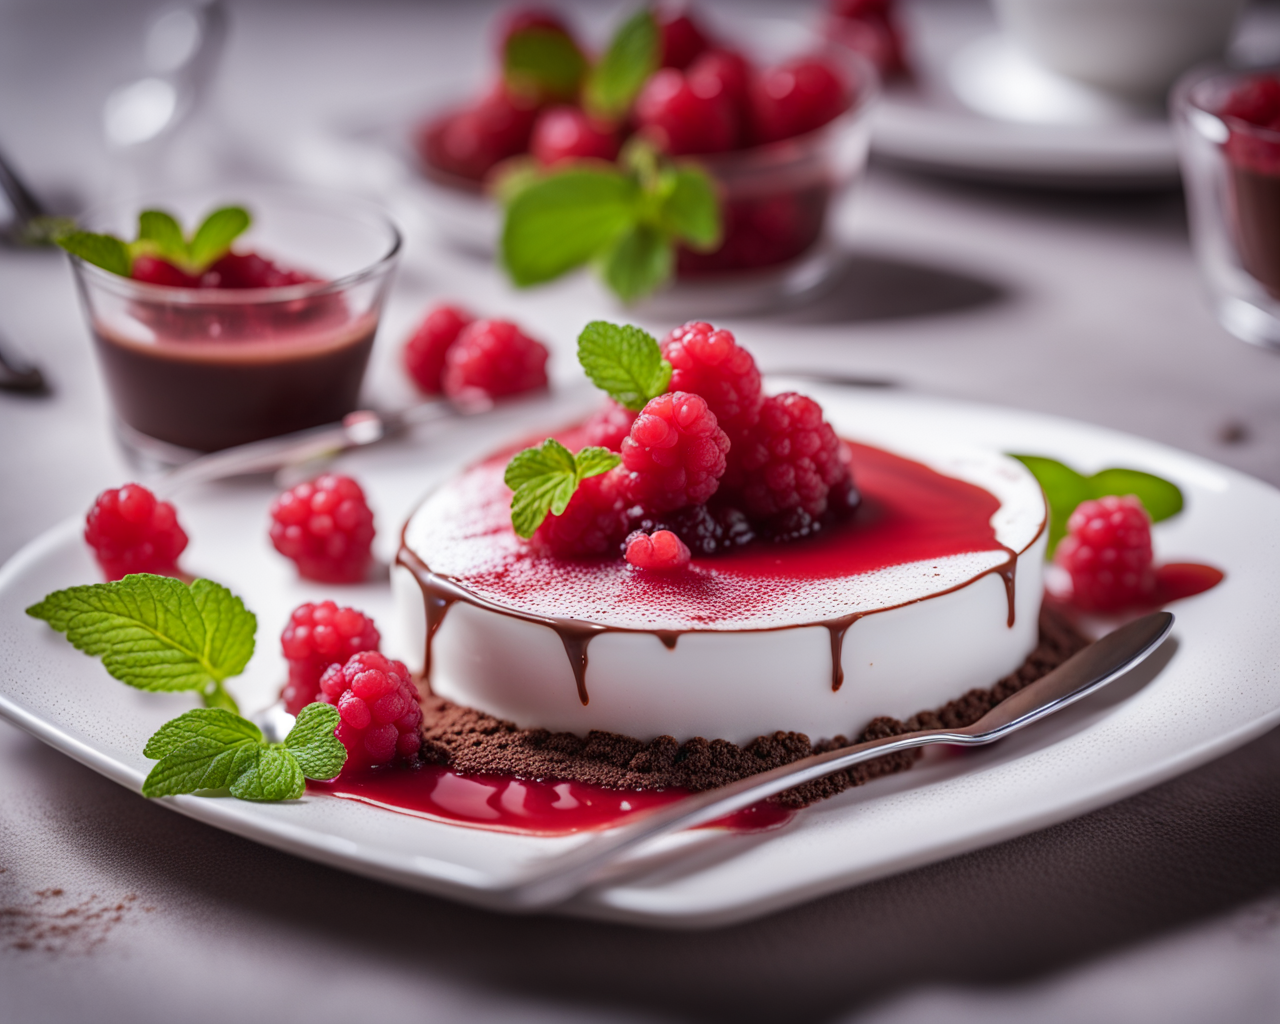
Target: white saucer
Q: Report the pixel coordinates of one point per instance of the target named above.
(1214, 687)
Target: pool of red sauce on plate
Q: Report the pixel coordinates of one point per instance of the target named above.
(908, 513)
(503, 803)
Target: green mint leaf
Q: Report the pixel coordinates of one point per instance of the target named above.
(624, 361)
(689, 208)
(320, 754)
(1064, 489)
(593, 461)
(633, 55)
(213, 238)
(543, 63)
(545, 478)
(1161, 498)
(641, 260)
(160, 234)
(564, 220)
(204, 749)
(212, 724)
(274, 776)
(105, 251)
(156, 633)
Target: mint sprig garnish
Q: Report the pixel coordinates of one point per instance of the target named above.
(1064, 489)
(625, 361)
(543, 63)
(627, 220)
(633, 55)
(157, 633)
(211, 748)
(160, 235)
(545, 478)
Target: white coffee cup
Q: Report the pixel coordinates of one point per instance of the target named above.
(1134, 48)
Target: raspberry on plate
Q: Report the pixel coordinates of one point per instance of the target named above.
(661, 551)
(593, 523)
(326, 527)
(794, 98)
(1107, 551)
(683, 40)
(791, 459)
(606, 427)
(130, 531)
(686, 115)
(424, 352)
(494, 358)
(317, 636)
(470, 141)
(378, 706)
(712, 364)
(567, 133)
(675, 453)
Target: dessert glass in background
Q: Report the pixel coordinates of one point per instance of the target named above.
(1231, 172)
(203, 368)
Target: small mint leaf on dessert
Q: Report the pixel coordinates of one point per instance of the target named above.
(160, 235)
(208, 748)
(624, 361)
(213, 238)
(543, 62)
(319, 752)
(212, 724)
(633, 55)
(563, 220)
(1064, 489)
(157, 633)
(689, 208)
(639, 261)
(545, 478)
(105, 251)
(276, 775)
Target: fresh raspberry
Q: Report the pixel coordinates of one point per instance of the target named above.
(378, 705)
(710, 363)
(608, 426)
(797, 97)
(153, 270)
(728, 72)
(1253, 144)
(661, 551)
(684, 115)
(705, 529)
(683, 40)
(130, 531)
(249, 270)
(469, 142)
(791, 459)
(494, 358)
(592, 524)
(566, 133)
(675, 453)
(424, 352)
(326, 527)
(317, 636)
(1107, 551)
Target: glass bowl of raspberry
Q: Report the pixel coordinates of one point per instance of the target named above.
(1228, 125)
(775, 113)
(222, 324)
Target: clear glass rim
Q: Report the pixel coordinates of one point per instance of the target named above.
(1197, 79)
(224, 297)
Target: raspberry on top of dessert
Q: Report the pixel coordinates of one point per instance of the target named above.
(575, 587)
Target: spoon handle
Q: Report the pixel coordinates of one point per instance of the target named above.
(1086, 671)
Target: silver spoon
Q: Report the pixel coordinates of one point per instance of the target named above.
(556, 880)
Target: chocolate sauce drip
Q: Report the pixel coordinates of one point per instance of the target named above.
(668, 637)
(576, 636)
(1009, 573)
(838, 628)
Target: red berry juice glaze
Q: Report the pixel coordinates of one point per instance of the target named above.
(1253, 154)
(503, 803)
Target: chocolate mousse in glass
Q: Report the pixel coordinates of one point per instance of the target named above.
(1229, 140)
(204, 368)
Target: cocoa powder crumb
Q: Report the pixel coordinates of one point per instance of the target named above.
(472, 742)
(54, 922)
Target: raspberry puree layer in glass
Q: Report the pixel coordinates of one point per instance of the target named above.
(211, 379)
(932, 589)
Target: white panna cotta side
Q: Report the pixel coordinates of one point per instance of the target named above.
(908, 637)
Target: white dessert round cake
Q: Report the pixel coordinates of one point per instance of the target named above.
(931, 589)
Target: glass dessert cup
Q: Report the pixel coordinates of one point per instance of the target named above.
(1231, 171)
(201, 369)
